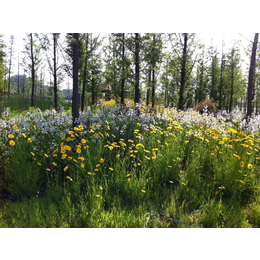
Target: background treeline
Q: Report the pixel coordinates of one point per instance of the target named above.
(173, 69)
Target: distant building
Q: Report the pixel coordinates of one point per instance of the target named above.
(106, 91)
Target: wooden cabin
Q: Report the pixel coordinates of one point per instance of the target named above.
(106, 90)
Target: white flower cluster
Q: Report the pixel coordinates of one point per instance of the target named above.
(52, 125)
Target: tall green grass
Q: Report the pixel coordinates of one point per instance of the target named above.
(164, 176)
(20, 103)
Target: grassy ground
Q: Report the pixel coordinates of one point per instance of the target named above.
(120, 170)
(18, 103)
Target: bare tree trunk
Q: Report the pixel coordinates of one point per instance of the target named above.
(251, 77)
(55, 87)
(75, 97)
(92, 89)
(183, 72)
(232, 89)
(153, 87)
(221, 80)
(153, 76)
(149, 86)
(137, 68)
(84, 76)
(18, 82)
(123, 73)
(33, 72)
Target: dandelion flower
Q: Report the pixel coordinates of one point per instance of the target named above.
(118, 156)
(143, 191)
(15, 127)
(46, 155)
(65, 169)
(32, 154)
(10, 136)
(82, 165)
(55, 164)
(102, 160)
(29, 140)
(242, 164)
(47, 169)
(111, 169)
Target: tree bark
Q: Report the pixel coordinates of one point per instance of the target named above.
(55, 87)
(92, 88)
(153, 88)
(84, 76)
(251, 77)
(123, 72)
(232, 88)
(149, 86)
(153, 74)
(221, 81)
(183, 72)
(33, 72)
(18, 82)
(75, 97)
(137, 68)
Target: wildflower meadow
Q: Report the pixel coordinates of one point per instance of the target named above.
(130, 167)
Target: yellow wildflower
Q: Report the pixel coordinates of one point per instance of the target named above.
(83, 141)
(10, 136)
(102, 160)
(69, 178)
(12, 143)
(29, 140)
(249, 166)
(15, 127)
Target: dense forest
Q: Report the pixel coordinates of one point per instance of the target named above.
(173, 69)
